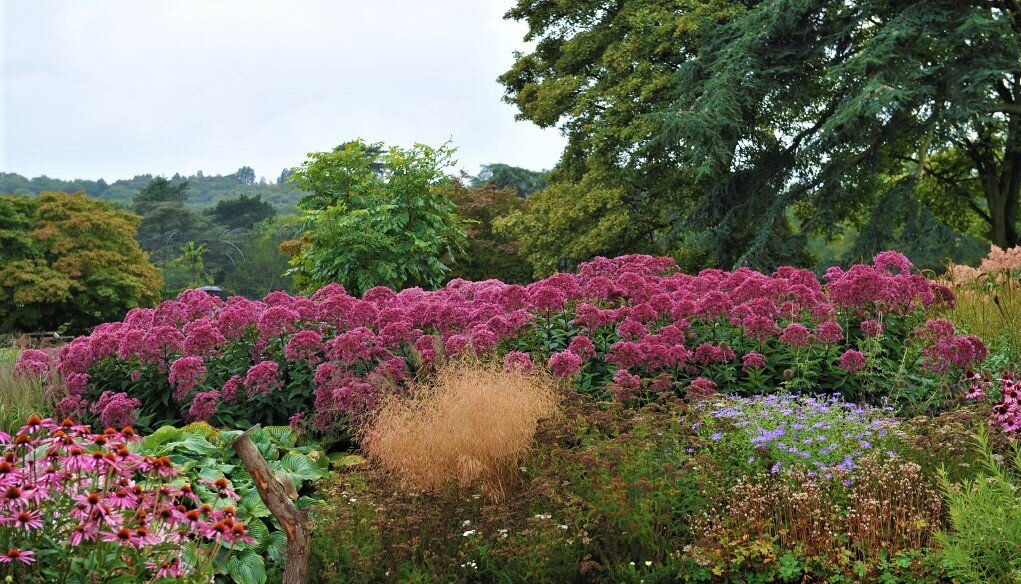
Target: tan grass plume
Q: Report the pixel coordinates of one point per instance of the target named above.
(470, 425)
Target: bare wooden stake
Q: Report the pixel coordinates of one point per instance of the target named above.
(291, 519)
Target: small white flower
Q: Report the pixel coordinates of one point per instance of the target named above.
(564, 527)
(648, 562)
(467, 522)
(468, 533)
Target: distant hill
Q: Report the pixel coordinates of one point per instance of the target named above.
(204, 190)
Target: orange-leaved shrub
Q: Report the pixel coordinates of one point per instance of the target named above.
(469, 425)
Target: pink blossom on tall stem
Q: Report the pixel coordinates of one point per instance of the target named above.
(204, 405)
(852, 361)
(518, 361)
(582, 346)
(116, 410)
(306, 345)
(33, 362)
(564, 364)
(796, 335)
(263, 378)
(829, 332)
(185, 374)
(871, 328)
(752, 361)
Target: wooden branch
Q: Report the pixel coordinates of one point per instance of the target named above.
(273, 494)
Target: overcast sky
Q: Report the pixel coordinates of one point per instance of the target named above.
(111, 89)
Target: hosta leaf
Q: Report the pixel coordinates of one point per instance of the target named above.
(300, 467)
(247, 568)
(276, 546)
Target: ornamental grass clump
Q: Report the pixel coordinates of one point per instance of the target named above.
(470, 425)
(24, 393)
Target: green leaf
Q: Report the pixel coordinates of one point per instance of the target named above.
(247, 568)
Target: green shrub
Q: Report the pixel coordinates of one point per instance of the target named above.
(984, 541)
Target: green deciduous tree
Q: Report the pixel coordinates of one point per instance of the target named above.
(752, 127)
(69, 261)
(374, 217)
(488, 253)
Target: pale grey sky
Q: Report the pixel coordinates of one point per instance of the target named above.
(114, 88)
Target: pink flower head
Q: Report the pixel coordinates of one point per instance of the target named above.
(204, 405)
(116, 410)
(352, 346)
(306, 345)
(829, 332)
(871, 328)
(231, 390)
(892, 262)
(201, 338)
(702, 386)
(582, 346)
(627, 380)
(33, 362)
(263, 378)
(752, 361)
(518, 361)
(276, 321)
(796, 335)
(852, 361)
(18, 555)
(564, 364)
(185, 374)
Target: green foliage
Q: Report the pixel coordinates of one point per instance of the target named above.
(504, 176)
(571, 222)
(488, 253)
(984, 542)
(161, 206)
(204, 455)
(241, 212)
(203, 190)
(72, 262)
(188, 270)
(20, 395)
(751, 128)
(375, 218)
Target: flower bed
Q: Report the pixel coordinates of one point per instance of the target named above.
(628, 326)
(76, 503)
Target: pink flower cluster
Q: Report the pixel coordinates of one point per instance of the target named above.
(69, 495)
(357, 347)
(944, 348)
(33, 362)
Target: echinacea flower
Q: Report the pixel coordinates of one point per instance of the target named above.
(18, 555)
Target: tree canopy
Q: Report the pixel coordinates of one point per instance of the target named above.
(504, 176)
(67, 261)
(241, 212)
(374, 217)
(740, 130)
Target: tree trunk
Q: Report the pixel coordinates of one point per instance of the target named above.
(291, 519)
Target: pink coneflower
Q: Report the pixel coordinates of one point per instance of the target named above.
(83, 532)
(167, 569)
(18, 555)
(28, 520)
(15, 497)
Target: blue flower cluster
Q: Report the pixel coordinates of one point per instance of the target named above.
(823, 434)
